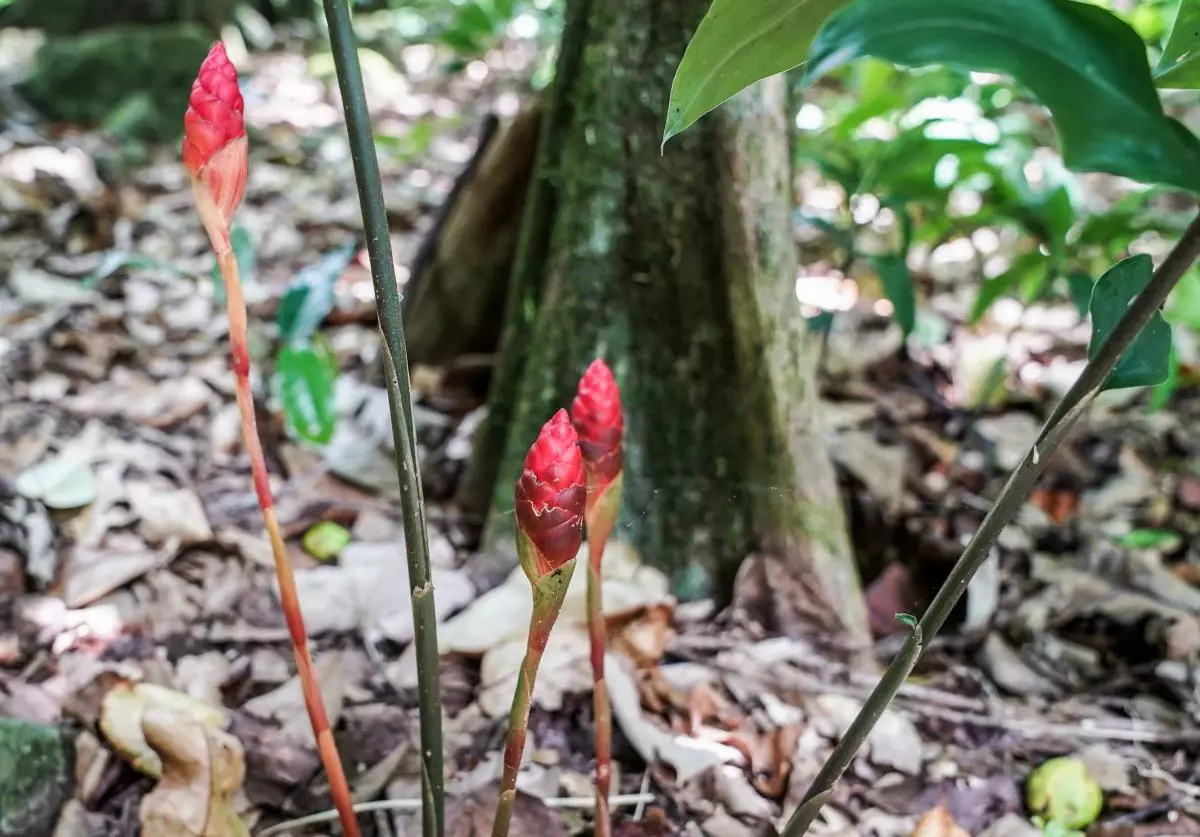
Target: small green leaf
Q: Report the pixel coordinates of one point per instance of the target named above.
(309, 298)
(1179, 65)
(1084, 63)
(326, 540)
(907, 619)
(1149, 539)
(898, 285)
(1148, 360)
(738, 43)
(1025, 265)
(306, 374)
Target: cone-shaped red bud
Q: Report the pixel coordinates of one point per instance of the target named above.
(550, 496)
(215, 149)
(596, 414)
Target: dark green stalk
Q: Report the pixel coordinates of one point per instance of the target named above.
(1012, 497)
(395, 358)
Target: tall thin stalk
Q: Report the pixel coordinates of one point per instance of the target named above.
(1012, 497)
(339, 789)
(395, 358)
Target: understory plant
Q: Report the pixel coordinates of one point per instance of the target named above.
(550, 497)
(596, 414)
(216, 154)
(1089, 68)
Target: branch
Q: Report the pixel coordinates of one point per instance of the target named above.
(395, 359)
(1012, 497)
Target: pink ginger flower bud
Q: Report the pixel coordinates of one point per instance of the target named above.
(550, 497)
(596, 414)
(215, 148)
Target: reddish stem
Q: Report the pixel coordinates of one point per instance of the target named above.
(339, 789)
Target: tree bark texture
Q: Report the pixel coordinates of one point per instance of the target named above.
(679, 268)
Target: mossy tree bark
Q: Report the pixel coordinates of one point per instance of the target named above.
(679, 269)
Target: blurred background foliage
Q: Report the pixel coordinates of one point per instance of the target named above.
(892, 164)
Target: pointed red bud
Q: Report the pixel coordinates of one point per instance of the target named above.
(550, 496)
(215, 149)
(596, 414)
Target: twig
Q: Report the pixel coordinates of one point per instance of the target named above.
(395, 358)
(1012, 497)
(578, 803)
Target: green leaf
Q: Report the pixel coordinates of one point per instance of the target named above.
(1081, 61)
(1149, 539)
(1148, 360)
(738, 43)
(305, 375)
(898, 285)
(309, 298)
(1025, 265)
(1183, 306)
(1179, 65)
(1160, 394)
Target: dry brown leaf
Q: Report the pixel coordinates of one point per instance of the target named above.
(123, 713)
(92, 573)
(937, 822)
(168, 514)
(203, 768)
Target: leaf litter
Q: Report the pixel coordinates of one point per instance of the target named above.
(138, 598)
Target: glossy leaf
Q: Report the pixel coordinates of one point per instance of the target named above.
(898, 285)
(1081, 61)
(309, 298)
(1148, 361)
(738, 43)
(1179, 65)
(306, 374)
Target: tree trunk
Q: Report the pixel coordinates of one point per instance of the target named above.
(679, 269)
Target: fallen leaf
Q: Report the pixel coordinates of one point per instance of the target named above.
(123, 713)
(202, 769)
(688, 756)
(937, 822)
(1010, 672)
(890, 593)
(368, 591)
(92, 573)
(285, 704)
(60, 482)
(135, 395)
(167, 514)
(893, 742)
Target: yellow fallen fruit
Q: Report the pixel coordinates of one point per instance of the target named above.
(1063, 791)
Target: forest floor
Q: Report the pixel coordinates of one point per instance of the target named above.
(132, 552)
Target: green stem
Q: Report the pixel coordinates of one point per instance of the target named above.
(603, 504)
(395, 357)
(548, 595)
(1012, 497)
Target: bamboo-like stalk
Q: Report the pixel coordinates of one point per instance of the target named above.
(395, 360)
(339, 790)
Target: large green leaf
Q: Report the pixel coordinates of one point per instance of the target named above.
(738, 43)
(1085, 64)
(1179, 65)
(1148, 360)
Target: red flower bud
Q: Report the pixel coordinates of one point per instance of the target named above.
(215, 149)
(596, 414)
(550, 496)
